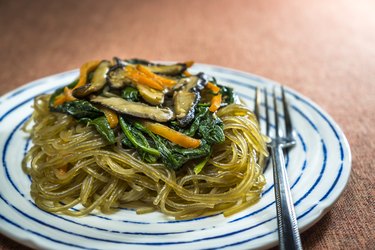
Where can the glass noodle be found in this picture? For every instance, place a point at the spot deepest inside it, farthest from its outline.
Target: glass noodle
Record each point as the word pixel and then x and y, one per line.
pixel 72 165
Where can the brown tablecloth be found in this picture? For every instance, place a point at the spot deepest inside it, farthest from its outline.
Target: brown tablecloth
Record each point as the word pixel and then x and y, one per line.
pixel 323 49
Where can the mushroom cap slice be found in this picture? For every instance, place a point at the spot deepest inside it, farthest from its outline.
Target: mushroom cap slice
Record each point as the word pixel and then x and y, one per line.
pixel 187 96
pixel 170 70
pixel 136 109
pixel 117 78
pixel 150 95
pixel 161 69
pixel 98 81
pixel 184 106
pixel 192 83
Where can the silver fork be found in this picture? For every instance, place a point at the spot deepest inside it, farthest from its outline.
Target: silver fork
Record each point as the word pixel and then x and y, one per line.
pixel 289 237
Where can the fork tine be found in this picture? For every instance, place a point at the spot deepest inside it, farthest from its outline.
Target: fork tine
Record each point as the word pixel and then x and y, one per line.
pixel 257 103
pixel 277 131
pixel 288 121
pixel 268 124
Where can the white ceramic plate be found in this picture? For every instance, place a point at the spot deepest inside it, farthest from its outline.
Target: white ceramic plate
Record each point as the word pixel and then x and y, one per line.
pixel 318 168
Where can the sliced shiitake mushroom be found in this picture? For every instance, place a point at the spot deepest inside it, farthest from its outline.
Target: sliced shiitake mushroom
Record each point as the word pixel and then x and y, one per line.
pixel 184 106
pixel 187 96
pixel 97 82
pixel 117 78
pixel 136 109
pixel 150 95
pixel 161 69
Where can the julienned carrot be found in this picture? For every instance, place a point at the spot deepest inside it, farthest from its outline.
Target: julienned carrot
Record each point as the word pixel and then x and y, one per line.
pixel 172 135
pixel 216 100
pixel 60 99
pixel 85 69
pixel 161 80
pixel 189 63
pixel 186 73
pixel 145 71
pixel 69 94
pixel 214 88
pixel 215 103
pixel 111 116
pixel 147 81
pixel 150 82
pixel 142 78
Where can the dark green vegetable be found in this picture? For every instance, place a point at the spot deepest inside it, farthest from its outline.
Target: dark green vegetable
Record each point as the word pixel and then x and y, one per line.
pixel 172 155
pixel 79 109
pixel 227 94
pixel 193 153
pixel 130 94
pixel 127 142
pixel 204 104
pixel 102 126
pixel 206 125
pixel 211 129
pixel 198 168
pixel 135 139
pixel 200 115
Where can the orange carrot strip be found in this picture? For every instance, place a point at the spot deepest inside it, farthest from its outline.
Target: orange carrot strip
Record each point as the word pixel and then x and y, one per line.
pixel 172 135
pixel 215 103
pixel 149 82
pixel 216 100
pixel 161 80
pixel 69 94
pixel 141 78
pixel 213 87
pixel 111 116
pixel 189 63
pixel 145 71
pixel 85 69
pixel 60 99
pixel 167 82
pixel 186 73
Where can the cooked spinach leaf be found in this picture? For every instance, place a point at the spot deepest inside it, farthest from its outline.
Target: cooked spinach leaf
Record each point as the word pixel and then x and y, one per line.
pixel 205 125
pixel 130 94
pixel 172 155
pixel 228 95
pixel 200 115
pixel 79 109
pixel 193 153
pixel 102 126
pixel 135 139
pixel 198 168
pixel 212 129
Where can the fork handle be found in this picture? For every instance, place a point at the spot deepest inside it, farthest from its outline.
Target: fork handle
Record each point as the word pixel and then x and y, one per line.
pixel 289 237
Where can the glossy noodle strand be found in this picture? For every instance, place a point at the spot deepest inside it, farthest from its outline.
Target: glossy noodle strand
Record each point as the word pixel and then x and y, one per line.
pixel 71 165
